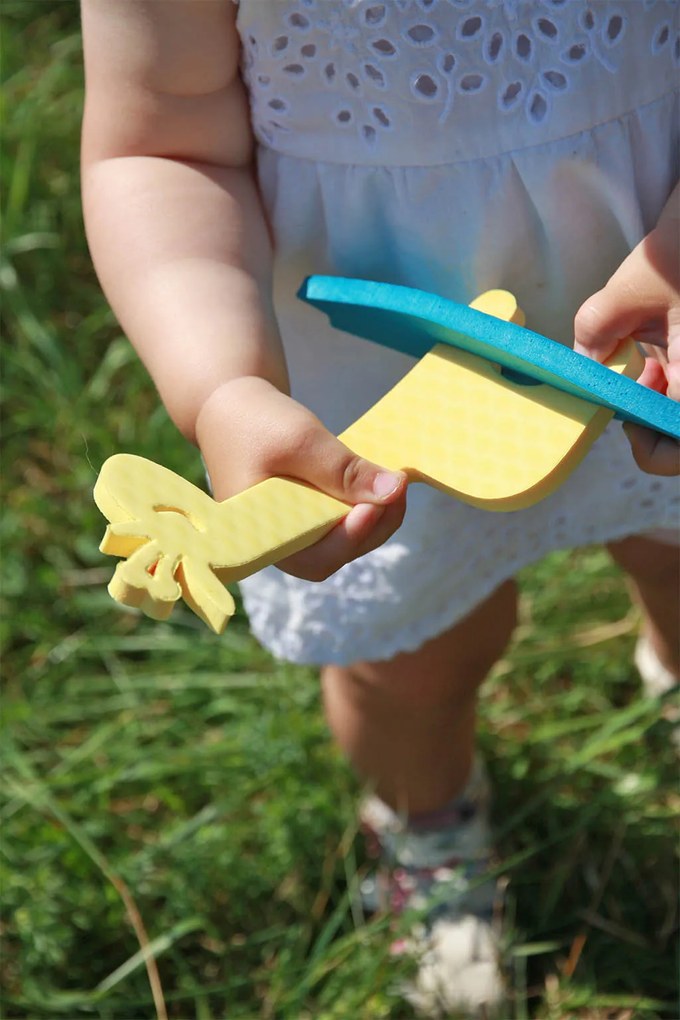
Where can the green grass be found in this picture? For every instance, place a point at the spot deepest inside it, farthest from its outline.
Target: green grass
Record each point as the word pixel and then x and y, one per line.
pixel 174 817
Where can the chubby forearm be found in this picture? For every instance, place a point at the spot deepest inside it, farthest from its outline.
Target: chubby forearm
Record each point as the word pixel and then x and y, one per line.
pixel 181 246
pixel 172 212
pixel 183 254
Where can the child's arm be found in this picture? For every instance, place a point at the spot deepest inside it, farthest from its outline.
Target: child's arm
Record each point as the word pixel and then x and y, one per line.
pixel 643 299
pixel 181 246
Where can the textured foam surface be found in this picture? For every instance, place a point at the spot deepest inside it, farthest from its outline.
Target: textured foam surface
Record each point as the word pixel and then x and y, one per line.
pixel 412 321
pixel 453 421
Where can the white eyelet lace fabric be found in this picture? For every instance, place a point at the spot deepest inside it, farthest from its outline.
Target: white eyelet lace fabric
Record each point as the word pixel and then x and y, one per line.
pixel 409 81
pixel 446 559
pixel 454 146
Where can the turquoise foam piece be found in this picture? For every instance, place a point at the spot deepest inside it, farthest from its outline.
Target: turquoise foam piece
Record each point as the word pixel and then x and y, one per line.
pixel 413 321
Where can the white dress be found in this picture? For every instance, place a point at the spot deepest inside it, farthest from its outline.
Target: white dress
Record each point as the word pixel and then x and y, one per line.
pixel 455 146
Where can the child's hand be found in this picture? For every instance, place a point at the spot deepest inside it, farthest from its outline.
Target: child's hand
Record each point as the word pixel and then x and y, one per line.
pixel 642 299
pixel 248 431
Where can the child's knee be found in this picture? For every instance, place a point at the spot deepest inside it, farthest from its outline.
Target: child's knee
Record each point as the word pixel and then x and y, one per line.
pixel 447 670
pixel 648 561
pixel 414 693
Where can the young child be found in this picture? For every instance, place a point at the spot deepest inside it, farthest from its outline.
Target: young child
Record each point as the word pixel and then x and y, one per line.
pixel 451 145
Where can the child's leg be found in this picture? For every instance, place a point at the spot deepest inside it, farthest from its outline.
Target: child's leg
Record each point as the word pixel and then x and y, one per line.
pixel 654 572
pixel 408 727
pixel 408 724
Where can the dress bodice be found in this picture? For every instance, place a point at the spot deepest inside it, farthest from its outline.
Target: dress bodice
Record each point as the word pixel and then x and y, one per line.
pixel 422 82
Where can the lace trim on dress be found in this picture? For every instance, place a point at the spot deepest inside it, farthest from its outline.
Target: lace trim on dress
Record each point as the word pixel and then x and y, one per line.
pixel 363 67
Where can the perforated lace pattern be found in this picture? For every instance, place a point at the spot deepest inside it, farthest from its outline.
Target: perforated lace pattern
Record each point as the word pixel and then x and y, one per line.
pixel 415 587
pixel 364 70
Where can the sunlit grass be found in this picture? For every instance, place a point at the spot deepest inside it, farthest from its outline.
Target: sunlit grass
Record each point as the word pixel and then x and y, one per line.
pixel 173 797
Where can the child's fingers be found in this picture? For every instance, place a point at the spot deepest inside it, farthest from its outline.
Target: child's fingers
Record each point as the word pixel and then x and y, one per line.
pixel 654 374
pixel 636 301
pixel 321 459
pixel 304 449
pixel 250 431
pixel 377 498
pixel 365 527
pixel 603 321
pixel 295 443
pixel 673 354
pixel 673 378
pixel 641 299
pixel 654 453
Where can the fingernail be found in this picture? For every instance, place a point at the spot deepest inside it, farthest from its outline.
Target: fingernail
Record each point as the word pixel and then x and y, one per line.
pixel 385 483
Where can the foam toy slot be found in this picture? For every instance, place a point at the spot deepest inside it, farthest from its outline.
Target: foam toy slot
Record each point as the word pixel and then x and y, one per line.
pixel 454 421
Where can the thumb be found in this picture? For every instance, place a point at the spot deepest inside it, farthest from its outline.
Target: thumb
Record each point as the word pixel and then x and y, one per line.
pixel 248 431
pixel 323 460
pixel 634 301
pixel 604 320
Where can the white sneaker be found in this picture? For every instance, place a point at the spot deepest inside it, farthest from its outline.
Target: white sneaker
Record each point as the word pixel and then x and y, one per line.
pixel 436 864
pixel 656 679
pixel 459 970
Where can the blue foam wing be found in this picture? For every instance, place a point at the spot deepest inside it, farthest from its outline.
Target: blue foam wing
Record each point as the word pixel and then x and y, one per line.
pixel 413 321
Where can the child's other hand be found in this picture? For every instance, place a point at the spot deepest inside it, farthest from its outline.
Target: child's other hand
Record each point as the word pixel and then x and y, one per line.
pixel 642 299
pixel 248 431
